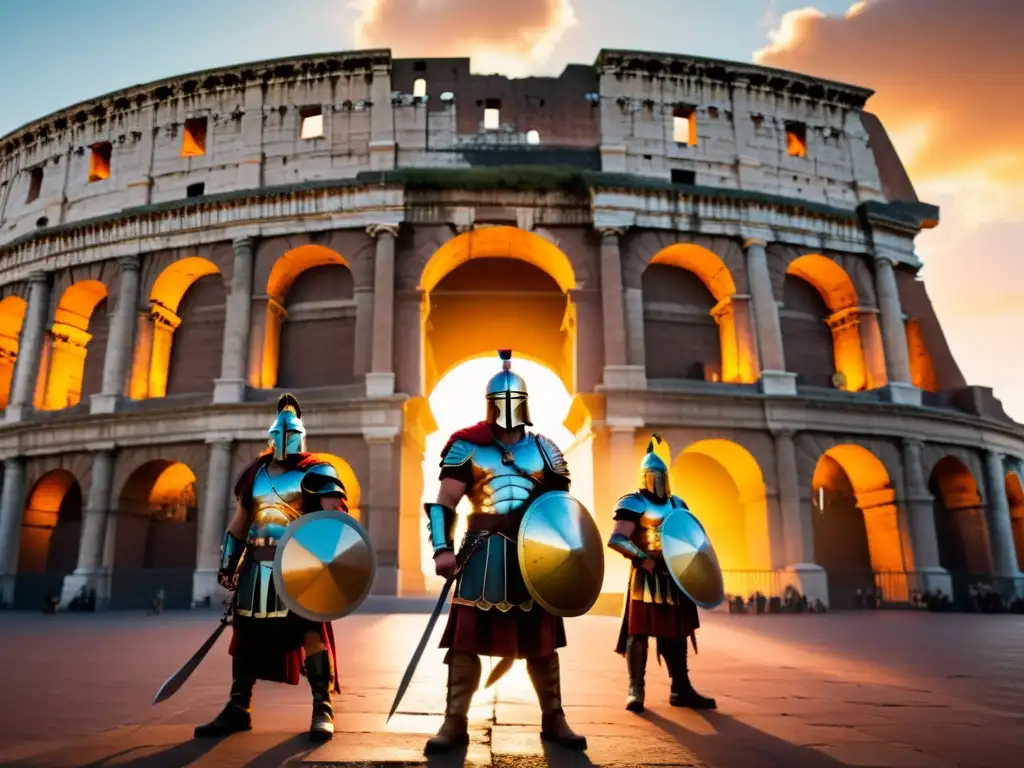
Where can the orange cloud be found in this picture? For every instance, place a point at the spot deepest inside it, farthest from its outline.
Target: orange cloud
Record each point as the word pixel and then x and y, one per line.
pixel 511 36
pixel 949 75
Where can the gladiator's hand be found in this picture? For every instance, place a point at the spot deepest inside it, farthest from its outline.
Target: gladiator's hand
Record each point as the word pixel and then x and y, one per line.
pixel 445 564
pixel 227 580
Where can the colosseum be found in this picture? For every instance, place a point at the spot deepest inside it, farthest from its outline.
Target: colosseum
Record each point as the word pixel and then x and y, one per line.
pixel 717 252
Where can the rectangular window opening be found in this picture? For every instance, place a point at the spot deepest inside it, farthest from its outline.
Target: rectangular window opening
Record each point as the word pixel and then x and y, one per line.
pixel 193 143
pixel 684 126
pixel 796 139
pixel 99 161
pixel 195 190
pixel 679 176
pixel 419 87
pixel 492 114
pixel 312 123
pixel 35 185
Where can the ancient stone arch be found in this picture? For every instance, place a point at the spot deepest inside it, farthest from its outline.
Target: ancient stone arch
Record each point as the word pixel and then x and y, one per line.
pixel 62 364
pixel 960 521
pixel 1015 497
pixel 12 315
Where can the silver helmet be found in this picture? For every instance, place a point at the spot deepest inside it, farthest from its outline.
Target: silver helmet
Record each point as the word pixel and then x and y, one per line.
pixel 654 472
pixel 287 435
pixel 507 405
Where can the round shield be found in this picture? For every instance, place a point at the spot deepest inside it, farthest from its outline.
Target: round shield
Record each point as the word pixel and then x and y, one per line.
pixel 325 566
pixel 561 554
pixel 691 559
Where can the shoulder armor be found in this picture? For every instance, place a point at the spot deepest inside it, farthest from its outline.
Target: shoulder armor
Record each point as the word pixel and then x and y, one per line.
pixel 632 502
pixel 679 503
pixel 323 480
pixel 553 456
pixel 458 454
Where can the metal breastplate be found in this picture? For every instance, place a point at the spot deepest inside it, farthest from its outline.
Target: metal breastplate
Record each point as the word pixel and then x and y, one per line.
pixel 276 501
pixel 650 524
pixel 497 488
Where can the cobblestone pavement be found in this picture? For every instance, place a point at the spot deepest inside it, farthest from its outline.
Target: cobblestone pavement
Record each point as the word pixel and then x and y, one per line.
pixel 898 690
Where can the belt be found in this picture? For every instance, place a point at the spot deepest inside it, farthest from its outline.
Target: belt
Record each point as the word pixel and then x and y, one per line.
pixel 261 554
pixel 505 525
pixel 268 541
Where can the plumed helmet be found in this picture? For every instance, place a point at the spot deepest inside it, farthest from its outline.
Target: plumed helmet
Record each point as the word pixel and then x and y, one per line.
pixel 507 405
pixel 654 471
pixel 287 435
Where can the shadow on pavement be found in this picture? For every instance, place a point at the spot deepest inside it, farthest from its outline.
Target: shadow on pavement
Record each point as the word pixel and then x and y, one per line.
pixel 556 757
pixel 730 733
pixel 456 759
pixel 277 755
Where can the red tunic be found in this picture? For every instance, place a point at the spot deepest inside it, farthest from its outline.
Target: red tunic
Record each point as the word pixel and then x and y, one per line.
pixel 516 634
pixel 272 649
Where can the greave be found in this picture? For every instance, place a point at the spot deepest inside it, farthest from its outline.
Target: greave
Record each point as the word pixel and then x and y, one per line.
pixel 683 694
pixel 321 679
pixel 237 714
pixel 463 680
pixel 545 674
pixel 636 663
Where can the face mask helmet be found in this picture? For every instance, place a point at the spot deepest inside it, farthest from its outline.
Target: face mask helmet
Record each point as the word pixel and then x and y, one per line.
pixel 287 435
pixel 507 405
pixel 654 472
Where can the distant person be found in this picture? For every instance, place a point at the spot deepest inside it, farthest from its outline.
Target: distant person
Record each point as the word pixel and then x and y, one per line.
pixel 51 603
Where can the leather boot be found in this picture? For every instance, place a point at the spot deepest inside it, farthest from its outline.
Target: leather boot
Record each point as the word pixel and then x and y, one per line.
pixel 463 680
pixel 318 673
pixel 683 694
pixel 546 678
pixel 237 714
pixel 636 663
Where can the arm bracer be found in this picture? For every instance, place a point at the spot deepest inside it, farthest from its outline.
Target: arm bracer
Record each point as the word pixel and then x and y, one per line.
pixel 441 525
pixel 625 547
pixel 231 550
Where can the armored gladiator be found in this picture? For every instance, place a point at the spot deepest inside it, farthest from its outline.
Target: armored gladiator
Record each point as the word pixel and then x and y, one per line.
pixel 501 468
pixel 655 606
pixel 269 642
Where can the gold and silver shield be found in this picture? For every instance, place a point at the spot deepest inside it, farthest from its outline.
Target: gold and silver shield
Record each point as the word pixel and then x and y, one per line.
pixel 561 554
pixel 325 566
pixel 691 559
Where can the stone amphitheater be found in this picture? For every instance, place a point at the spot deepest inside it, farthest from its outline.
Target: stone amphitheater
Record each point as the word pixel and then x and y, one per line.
pixel 718 252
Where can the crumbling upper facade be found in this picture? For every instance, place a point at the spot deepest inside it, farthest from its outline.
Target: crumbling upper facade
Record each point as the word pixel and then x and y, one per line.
pixel 720 252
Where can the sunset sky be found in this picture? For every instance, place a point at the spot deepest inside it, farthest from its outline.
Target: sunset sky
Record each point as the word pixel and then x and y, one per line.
pixel 949 76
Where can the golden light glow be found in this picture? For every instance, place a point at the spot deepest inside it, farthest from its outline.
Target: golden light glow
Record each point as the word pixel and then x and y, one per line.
pixel 537 317
pixel 99 162
pixel 348 479
pixel 193 141
pixel 796 140
pixel 170 484
pixel 155 333
pixel 1015 496
pixel 837 291
pixel 922 368
pixel 723 486
pixel 40 518
pixel 684 126
pixel 501 243
pixel 12 315
pixel 62 367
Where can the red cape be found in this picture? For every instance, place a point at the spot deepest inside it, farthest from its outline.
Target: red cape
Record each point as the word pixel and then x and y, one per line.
pixel 478 434
pixel 292 666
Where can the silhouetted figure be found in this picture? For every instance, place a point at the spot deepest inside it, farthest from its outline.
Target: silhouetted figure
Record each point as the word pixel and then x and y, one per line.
pixel 51 603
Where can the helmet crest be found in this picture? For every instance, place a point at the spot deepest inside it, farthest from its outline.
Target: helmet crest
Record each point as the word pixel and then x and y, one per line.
pixel 654 470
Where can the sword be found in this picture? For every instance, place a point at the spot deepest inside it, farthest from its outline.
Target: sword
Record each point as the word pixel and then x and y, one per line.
pixel 499 671
pixel 175 681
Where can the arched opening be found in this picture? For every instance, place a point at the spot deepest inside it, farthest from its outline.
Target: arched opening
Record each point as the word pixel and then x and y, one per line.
pixel 495 288
pixel 12 315
pixel 722 484
pixel 960 522
pixel 458 401
pixel 821 325
pixel 155 541
pixel 71 363
pixel 179 341
pixel 858 531
pixel 349 480
pixel 1015 495
pixel 689 307
pixel 50 530
pixel 310 297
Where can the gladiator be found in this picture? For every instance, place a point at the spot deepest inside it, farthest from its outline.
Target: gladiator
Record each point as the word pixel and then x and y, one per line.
pixel 655 606
pixel 500 467
pixel 268 641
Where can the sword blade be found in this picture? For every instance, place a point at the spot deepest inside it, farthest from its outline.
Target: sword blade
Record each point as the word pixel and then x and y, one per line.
pixel 499 671
pixel 411 669
pixel 175 681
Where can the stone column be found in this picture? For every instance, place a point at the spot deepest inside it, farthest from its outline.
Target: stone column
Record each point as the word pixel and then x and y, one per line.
pixel 30 346
pixel 874 350
pixel 894 334
pixel 213 521
pixel 120 341
pixel 98 509
pixel 382 120
pixel 774 379
pixel 164 324
pixel 618 372
pixel 921 511
pixel 230 387
pixel 380 381
pixel 12 505
pixel 797 526
pixel 746 339
pixel 1000 528
pixel 380 512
